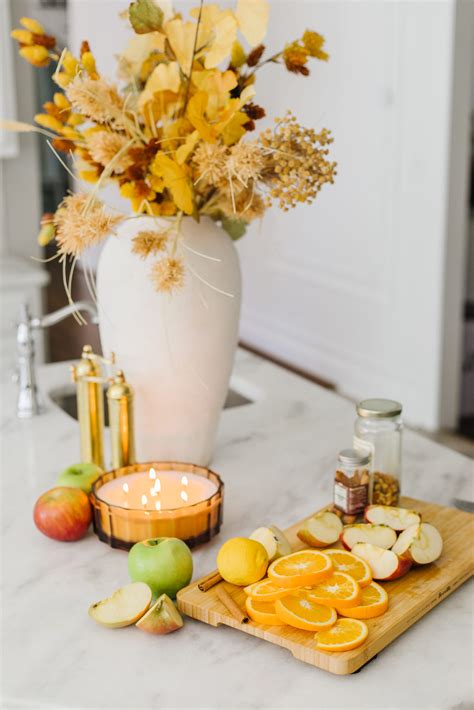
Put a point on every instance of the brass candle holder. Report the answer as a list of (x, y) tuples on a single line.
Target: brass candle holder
[(157, 499)]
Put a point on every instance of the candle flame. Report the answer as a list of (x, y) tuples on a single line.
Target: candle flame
[(125, 487), (184, 495), (152, 473), (153, 492), (144, 499), (157, 485), (184, 481), (158, 505)]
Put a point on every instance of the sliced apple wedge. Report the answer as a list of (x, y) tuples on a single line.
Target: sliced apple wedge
[(273, 540), (396, 518), (380, 535), (162, 618), (385, 564), (419, 543), (321, 530), (124, 607)]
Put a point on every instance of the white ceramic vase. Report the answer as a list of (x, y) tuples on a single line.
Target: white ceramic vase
[(177, 350)]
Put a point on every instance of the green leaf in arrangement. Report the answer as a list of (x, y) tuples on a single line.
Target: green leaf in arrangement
[(145, 16), (235, 228)]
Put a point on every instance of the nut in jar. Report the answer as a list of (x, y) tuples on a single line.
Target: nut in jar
[(385, 489)]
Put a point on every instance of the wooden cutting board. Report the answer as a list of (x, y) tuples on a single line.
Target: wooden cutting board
[(410, 597)]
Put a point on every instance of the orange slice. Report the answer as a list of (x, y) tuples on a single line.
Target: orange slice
[(301, 611), (340, 591), (262, 612), (374, 602), (349, 563), (343, 636), (266, 590), (300, 569)]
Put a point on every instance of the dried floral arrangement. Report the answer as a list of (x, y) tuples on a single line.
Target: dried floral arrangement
[(177, 133)]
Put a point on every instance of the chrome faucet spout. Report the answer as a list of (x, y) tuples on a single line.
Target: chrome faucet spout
[(57, 316), (28, 404)]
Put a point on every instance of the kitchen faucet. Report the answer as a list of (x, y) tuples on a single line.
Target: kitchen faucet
[(28, 402)]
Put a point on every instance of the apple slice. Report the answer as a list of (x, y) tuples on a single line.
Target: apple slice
[(273, 540), (379, 535), (162, 618), (321, 530), (396, 518), (385, 564), (124, 607), (420, 543)]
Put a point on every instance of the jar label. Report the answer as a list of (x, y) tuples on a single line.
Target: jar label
[(350, 500)]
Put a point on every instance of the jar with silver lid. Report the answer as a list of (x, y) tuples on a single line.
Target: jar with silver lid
[(378, 432), (351, 483)]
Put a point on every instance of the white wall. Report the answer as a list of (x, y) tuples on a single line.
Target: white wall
[(356, 287)]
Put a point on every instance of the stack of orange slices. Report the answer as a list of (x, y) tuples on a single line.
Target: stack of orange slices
[(329, 593)]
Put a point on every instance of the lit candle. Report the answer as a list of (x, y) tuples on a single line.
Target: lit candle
[(152, 490), (146, 500)]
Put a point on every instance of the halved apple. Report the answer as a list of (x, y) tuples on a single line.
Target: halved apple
[(124, 607), (273, 540), (321, 530), (420, 543), (385, 564), (396, 518), (380, 535), (162, 618)]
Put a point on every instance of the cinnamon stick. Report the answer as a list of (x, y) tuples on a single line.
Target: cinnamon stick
[(209, 581), (230, 605)]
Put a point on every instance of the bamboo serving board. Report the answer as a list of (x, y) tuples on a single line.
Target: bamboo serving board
[(410, 597)]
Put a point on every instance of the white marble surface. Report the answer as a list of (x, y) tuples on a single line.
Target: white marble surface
[(276, 457)]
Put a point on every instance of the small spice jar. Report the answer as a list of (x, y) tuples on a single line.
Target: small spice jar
[(378, 432), (351, 484)]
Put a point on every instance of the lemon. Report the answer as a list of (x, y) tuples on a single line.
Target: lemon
[(242, 561)]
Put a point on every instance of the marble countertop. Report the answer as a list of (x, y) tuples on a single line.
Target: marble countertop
[(276, 457)]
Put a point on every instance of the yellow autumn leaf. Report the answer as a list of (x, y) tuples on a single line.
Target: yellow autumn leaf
[(234, 130), (247, 95), (196, 114), (213, 80), (252, 16), (225, 34), (138, 50), (219, 29), (238, 56), (176, 180), (164, 77), (181, 36), (187, 148), (217, 85)]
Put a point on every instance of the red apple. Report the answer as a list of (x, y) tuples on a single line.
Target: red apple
[(421, 543), (63, 513), (380, 535), (322, 530), (396, 518), (385, 564)]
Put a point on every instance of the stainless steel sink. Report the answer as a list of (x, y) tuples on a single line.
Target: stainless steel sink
[(65, 399)]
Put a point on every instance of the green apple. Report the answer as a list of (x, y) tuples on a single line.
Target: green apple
[(80, 475), (164, 563)]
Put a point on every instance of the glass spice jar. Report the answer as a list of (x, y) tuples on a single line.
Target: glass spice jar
[(351, 483), (378, 432)]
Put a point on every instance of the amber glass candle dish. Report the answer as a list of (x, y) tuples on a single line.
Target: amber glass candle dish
[(166, 500)]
